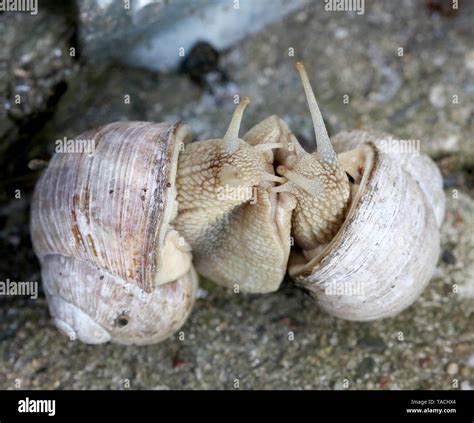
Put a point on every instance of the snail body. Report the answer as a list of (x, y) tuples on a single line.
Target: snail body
[(237, 226)]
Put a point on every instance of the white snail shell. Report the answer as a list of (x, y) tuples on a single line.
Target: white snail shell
[(386, 251), (112, 268)]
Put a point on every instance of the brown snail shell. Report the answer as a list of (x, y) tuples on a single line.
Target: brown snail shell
[(386, 251), (112, 267)]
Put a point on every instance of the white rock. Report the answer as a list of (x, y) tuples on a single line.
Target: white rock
[(438, 96)]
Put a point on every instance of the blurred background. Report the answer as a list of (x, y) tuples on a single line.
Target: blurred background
[(407, 68)]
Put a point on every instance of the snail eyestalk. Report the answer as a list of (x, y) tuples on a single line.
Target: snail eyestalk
[(312, 186), (231, 137), (316, 180), (324, 146)]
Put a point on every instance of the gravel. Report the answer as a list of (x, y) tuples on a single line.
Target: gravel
[(281, 340)]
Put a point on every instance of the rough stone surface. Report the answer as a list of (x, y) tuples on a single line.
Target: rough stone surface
[(282, 340), (34, 60), (248, 337)]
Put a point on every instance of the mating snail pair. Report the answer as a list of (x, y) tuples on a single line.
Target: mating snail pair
[(119, 233)]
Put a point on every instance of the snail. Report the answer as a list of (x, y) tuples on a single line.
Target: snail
[(100, 228), (366, 246), (121, 234), (114, 230)]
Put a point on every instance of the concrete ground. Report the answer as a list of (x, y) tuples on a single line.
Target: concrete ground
[(282, 340)]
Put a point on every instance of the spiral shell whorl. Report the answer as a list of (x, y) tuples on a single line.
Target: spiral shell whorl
[(99, 223)]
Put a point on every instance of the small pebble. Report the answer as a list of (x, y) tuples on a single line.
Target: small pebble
[(301, 17), (451, 143), (438, 96), (452, 368), (373, 344), (366, 366), (448, 257), (469, 60), (439, 60), (470, 361), (341, 33), (201, 293)]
